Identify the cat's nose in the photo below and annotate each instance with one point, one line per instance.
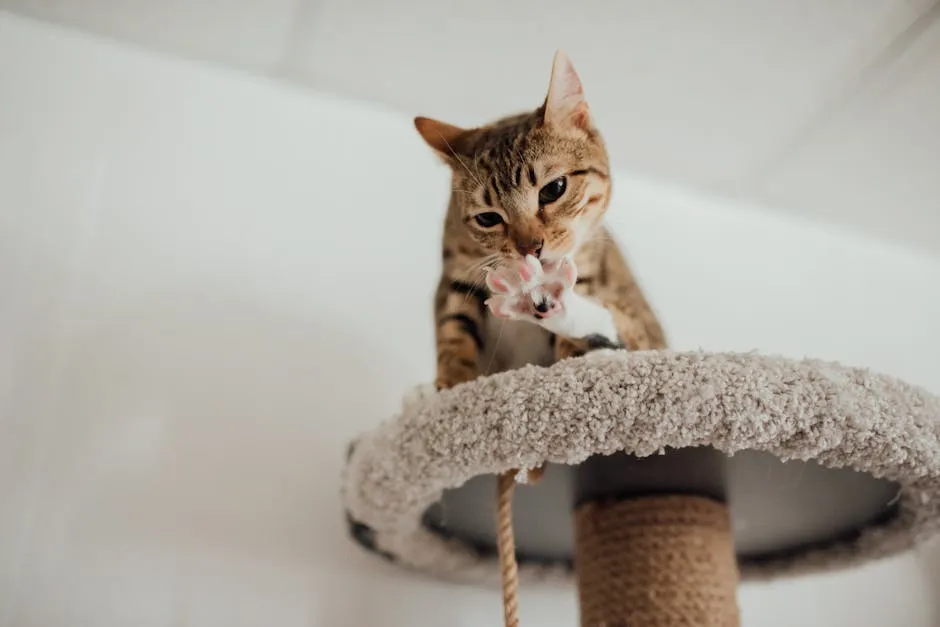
(533, 248)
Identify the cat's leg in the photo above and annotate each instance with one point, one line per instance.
(607, 279)
(459, 315)
(611, 283)
(577, 347)
(586, 286)
(582, 318)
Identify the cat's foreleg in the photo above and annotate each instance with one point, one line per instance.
(459, 313)
(582, 318)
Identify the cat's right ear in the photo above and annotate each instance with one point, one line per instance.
(447, 140)
(565, 106)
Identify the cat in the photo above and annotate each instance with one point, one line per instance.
(530, 272)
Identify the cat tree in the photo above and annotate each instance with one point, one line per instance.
(668, 477)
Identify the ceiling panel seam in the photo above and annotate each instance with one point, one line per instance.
(870, 74)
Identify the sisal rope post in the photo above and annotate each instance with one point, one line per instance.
(506, 547)
(657, 561)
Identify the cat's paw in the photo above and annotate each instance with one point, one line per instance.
(531, 290)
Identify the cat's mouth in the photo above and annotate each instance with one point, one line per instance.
(553, 255)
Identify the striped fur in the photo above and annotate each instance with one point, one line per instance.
(500, 168)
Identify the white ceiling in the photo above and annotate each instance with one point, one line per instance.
(830, 109)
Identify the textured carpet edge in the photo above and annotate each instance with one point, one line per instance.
(643, 403)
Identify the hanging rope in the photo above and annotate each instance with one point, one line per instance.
(506, 546)
(506, 542)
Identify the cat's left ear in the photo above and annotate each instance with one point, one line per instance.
(447, 140)
(565, 106)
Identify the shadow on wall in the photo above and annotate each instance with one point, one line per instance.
(200, 435)
(929, 554)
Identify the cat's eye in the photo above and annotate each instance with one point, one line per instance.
(488, 219)
(553, 191)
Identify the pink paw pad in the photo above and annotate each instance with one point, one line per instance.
(531, 289)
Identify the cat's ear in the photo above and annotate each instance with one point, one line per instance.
(447, 140)
(565, 106)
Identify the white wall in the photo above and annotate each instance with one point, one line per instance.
(828, 109)
(211, 282)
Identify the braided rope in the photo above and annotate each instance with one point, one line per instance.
(656, 561)
(506, 546)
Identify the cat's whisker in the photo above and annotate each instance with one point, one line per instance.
(475, 285)
(474, 272)
(470, 173)
(488, 261)
(499, 334)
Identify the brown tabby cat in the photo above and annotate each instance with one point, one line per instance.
(530, 273)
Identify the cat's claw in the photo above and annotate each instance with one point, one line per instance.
(530, 290)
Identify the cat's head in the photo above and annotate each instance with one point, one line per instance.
(536, 183)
